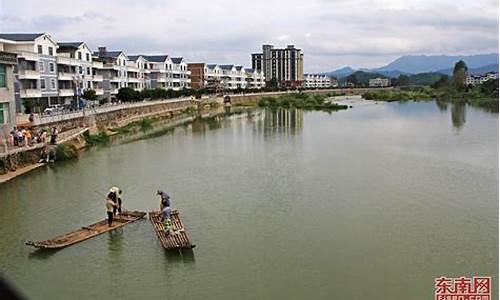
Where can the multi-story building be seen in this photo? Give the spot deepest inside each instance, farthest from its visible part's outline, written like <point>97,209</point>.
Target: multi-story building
<point>255,79</point>
<point>206,76</point>
<point>317,81</point>
<point>285,66</point>
<point>160,67</point>
<point>75,70</point>
<point>180,74</point>
<point>198,72</point>
<point>479,79</point>
<point>233,77</point>
<point>114,71</point>
<point>138,66</point>
<point>7,97</point>
<point>36,72</point>
<point>379,82</point>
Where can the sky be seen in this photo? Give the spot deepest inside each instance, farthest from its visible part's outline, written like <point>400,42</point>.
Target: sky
<point>331,33</point>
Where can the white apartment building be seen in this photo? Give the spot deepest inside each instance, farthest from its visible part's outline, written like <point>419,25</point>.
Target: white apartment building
<point>479,79</point>
<point>138,70</point>
<point>7,98</point>
<point>36,72</point>
<point>160,67</point>
<point>77,71</point>
<point>379,82</point>
<point>317,81</point>
<point>213,75</point>
<point>255,79</point>
<point>114,71</point>
<point>233,77</point>
<point>180,74</point>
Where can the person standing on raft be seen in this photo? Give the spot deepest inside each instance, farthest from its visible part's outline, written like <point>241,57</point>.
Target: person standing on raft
<point>165,210</point>
<point>118,200</point>
<point>110,207</point>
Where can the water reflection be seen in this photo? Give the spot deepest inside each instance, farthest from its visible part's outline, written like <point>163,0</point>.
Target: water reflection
<point>283,121</point>
<point>458,114</point>
<point>442,105</point>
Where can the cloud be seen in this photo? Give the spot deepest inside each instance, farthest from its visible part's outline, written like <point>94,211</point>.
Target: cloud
<point>332,33</point>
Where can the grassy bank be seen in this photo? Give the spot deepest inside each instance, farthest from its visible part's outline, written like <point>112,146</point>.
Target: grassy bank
<point>472,97</point>
<point>301,101</point>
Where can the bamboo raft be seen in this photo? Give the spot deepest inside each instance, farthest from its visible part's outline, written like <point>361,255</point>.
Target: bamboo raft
<point>88,232</point>
<point>178,239</point>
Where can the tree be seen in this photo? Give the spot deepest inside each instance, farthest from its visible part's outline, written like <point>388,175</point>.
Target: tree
<point>89,95</point>
<point>126,94</point>
<point>459,75</point>
<point>403,80</point>
<point>442,83</point>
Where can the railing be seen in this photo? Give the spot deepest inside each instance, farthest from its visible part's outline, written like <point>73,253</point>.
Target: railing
<point>28,55</point>
<point>30,93</point>
<point>65,76</point>
<point>29,74</point>
<point>68,115</point>
<point>66,92</point>
<point>97,78</point>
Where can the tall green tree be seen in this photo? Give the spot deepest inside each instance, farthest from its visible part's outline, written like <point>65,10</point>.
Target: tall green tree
<point>89,94</point>
<point>442,84</point>
<point>403,80</point>
<point>459,76</point>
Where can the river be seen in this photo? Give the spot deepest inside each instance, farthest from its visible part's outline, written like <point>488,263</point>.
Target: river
<point>373,202</point>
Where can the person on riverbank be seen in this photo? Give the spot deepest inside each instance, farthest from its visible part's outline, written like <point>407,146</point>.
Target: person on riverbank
<point>118,200</point>
<point>110,207</point>
<point>53,136</point>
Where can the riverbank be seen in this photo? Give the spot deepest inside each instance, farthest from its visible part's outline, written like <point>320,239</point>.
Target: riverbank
<point>302,101</point>
<point>429,94</point>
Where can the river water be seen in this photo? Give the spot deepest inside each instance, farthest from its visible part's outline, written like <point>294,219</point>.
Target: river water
<point>373,202</point>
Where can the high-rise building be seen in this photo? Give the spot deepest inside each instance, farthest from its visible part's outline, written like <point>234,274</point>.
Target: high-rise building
<point>285,66</point>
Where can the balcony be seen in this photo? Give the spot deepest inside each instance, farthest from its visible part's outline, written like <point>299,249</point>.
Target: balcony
<point>111,67</point>
<point>28,55</point>
<point>68,61</point>
<point>29,74</point>
<point>97,78</point>
<point>113,91</point>
<point>115,79</point>
<point>97,65</point>
<point>30,93</point>
<point>133,79</point>
<point>65,76</point>
<point>66,92</point>
<point>99,92</point>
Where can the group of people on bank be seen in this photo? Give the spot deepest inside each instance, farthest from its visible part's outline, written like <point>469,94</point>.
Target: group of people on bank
<point>25,137</point>
<point>114,206</point>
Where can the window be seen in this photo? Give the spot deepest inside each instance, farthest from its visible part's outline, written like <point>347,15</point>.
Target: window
<point>89,85</point>
<point>53,84</point>
<point>80,69</point>
<point>40,49</point>
<point>3,75</point>
<point>41,66</point>
<point>87,57</point>
<point>42,84</point>
<point>4,113</point>
<point>51,51</point>
<point>88,70</point>
<point>51,67</point>
<point>79,55</point>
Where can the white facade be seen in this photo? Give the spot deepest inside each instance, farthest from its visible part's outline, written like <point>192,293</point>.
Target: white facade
<point>379,82</point>
<point>317,81</point>
<point>233,77</point>
<point>36,74</point>
<point>114,71</point>
<point>180,75</point>
<point>479,79</point>
<point>255,79</point>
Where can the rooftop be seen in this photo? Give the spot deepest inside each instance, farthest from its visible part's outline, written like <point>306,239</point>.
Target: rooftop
<point>20,37</point>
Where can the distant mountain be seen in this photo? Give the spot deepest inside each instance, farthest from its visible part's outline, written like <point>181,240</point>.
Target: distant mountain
<point>474,71</point>
<point>361,77</point>
<point>431,63</point>
<point>344,72</point>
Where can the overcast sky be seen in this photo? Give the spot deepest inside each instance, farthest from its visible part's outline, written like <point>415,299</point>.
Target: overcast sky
<point>331,33</point>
